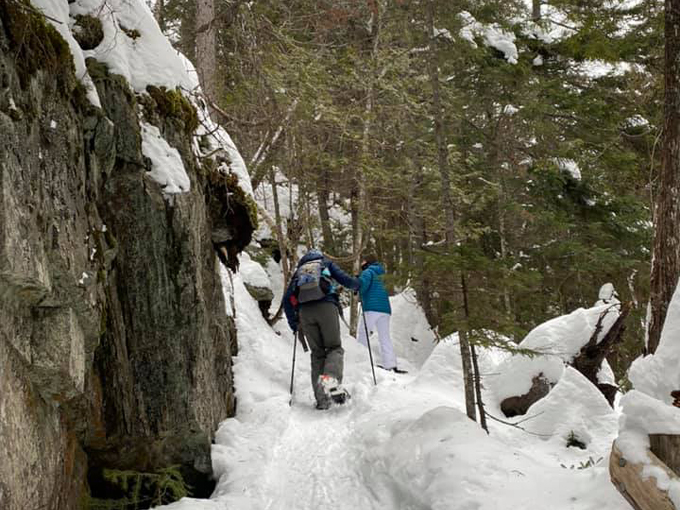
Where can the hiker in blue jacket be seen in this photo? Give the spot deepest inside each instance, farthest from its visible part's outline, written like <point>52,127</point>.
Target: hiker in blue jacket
<point>311,304</point>
<point>377,311</point>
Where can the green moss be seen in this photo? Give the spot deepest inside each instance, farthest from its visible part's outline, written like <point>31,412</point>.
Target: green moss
<point>90,32</point>
<point>259,255</point>
<point>139,490</point>
<point>79,97</point>
<point>242,198</point>
<point>36,45</point>
<point>99,71</point>
<point>172,104</point>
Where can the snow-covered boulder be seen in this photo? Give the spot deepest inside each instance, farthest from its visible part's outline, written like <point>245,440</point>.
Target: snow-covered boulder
<point>574,410</point>
<point>555,343</point>
<point>442,460</point>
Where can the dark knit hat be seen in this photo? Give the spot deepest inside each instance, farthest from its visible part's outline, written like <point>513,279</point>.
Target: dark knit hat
<point>369,258</point>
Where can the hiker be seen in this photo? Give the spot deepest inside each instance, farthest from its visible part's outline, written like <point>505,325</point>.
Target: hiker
<point>377,311</point>
<point>311,304</point>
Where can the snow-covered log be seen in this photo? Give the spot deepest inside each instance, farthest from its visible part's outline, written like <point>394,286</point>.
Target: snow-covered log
<point>634,482</point>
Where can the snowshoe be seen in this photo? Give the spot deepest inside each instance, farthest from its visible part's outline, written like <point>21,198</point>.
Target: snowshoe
<point>333,389</point>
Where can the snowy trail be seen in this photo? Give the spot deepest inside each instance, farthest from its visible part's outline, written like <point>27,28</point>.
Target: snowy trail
<point>312,465</point>
<point>401,445</point>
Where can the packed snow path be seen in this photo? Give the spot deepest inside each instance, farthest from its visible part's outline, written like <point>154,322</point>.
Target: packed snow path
<point>403,444</point>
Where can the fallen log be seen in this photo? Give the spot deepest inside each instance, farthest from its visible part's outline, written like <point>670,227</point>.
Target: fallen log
<point>641,492</point>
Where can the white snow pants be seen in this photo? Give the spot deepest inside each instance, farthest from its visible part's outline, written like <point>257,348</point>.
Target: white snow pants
<point>381,322</point>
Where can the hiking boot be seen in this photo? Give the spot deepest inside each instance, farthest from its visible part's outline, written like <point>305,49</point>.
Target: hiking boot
<point>323,405</point>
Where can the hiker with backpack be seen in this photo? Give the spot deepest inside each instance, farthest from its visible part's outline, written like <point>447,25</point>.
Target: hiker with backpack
<point>376,308</point>
<point>311,304</point>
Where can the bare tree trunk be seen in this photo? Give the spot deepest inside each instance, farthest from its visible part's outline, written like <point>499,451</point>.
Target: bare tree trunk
<point>206,44</point>
<point>442,151</point>
<point>478,389</point>
<point>159,14</point>
<point>257,171</point>
<point>536,10</point>
<point>665,259</point>
<point>496,164</point>
<point>307,218</point>
<point>417,234</point>
<point>355,211</point>
<point>322,196</point>
<point>359,237</point>
<point>447,203</point>
<point>280,238</point>
<point>466,357</point>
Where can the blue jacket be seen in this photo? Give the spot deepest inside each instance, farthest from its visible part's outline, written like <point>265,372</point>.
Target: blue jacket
<point>336,273</point>
<point>373,294</point>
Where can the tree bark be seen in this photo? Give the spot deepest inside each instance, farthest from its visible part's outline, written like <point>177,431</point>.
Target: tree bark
<point>665,257</point>
<point>466,357</point>
<point>416,223</point>
<point>591,356</point>
<point>667,448</point>
<point>256,170</point>
<point>206,44</point>
<point>322,197</point>
<point>536,10</point>
<point>359,236</point>
<point>442,151</point>
<point>639,489</point>
<point>478,389</point>
<point>159,14</point>
<point>280,238</point>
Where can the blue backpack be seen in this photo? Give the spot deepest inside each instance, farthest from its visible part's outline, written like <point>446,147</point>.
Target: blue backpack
<point>312,281</point>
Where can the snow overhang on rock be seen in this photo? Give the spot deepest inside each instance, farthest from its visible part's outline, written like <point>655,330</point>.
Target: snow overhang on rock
<point>132,45</point>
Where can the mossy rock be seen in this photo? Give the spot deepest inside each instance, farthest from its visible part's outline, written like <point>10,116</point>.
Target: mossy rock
<point>99,71</point>
<point>131,32</point>
<point>259,255</point>
<point>172,104</point>
<point>89,32</point>
<point>233,212</point>
<point>242,198</point>
<point>36,45</point>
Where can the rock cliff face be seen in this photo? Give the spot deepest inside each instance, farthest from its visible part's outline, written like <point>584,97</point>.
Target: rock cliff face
<point>115,348</point>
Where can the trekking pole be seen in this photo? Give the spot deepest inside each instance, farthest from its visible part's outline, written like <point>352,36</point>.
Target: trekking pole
<point>292,372</point>
<point>368,341</point>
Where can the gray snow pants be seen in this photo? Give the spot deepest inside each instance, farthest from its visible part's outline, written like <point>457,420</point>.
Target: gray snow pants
<point>321,326</point>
